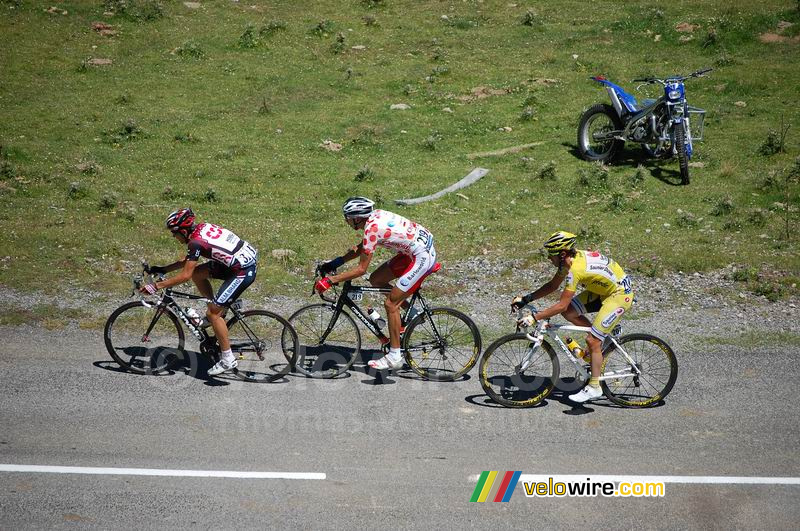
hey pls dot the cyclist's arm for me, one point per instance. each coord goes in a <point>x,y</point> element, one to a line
<point>180,278</point>
<point>174,266</point>
<point>353,252</point>
<point>558,308</point>
<point>546,289</point>
<point>357,271</point>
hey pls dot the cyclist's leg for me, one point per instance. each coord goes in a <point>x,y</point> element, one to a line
<point>231,289</point>
<point>608,316</point>
<point>390,270</point>
<point>407,283</point>
<point>581,304</point>
<point>200,277</point>
<point>381,277</point>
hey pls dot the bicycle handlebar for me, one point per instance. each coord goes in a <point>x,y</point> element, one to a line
<point>318,274</point>
<point>650,80</point>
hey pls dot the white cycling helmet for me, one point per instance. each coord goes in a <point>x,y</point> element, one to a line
<point>357,207</point>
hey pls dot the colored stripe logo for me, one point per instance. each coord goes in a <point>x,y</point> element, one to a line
<point>495,486</point>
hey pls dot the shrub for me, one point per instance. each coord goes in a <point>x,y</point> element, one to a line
<point>271,27</point>
<point>322,28</point>
<point>139,10</point>
<point>593,176</point>
<point>723,207</point>
<point>757,217</point>
<point>190,49</point>
<point>530,18</point>
<point>7,170</point>
<point>339,45</point>
<point>547,172</point>
<point>108,201</point>
<point>128,131</point>
<point>686,220</point>
<point>210,196</point>
<point>638,176</point>
<point>773,143</point>
<point>527,114</point>
<point>430,142</point>
<point>745,275</point>
<point>617,201</point>
<point>248,38</point>
<point>732,225</point>
<point>77,190</point>
<point>168,193</point>
<point>185,137</point>
<point>123,99</point>
<point>460,23</point>
<point>365,173</point>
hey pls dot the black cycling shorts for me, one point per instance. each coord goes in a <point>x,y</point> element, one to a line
<point>235,282</point>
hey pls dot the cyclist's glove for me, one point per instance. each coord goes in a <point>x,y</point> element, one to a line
<point>518,302</point>
<point>330,266</point>
<point>157,270</point>
<point>322,285</point>
<point>148,289</point>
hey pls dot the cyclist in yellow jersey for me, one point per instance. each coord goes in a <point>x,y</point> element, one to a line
<point>606,290</point>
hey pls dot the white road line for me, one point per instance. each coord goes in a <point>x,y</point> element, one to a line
<point>719,480</point>
<point>160,472</point>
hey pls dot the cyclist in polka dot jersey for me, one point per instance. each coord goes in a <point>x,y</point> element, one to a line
<point>414,261</point>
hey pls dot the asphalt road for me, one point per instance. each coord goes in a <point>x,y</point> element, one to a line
<point>397,452</point>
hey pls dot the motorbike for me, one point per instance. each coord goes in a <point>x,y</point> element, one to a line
<point>665,127</point>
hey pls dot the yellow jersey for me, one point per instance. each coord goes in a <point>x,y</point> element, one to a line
<point>596,273</point>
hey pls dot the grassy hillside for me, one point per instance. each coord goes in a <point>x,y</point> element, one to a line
<point>224,107</point>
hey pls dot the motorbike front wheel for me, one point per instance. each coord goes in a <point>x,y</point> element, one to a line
<point>595,133</point>
<point>680,148</point>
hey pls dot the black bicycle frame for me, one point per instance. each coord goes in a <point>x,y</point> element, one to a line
<point>345,300</point>
<point>168,302</point>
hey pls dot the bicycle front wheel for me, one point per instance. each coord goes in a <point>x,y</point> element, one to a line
<point>516,374</point>
<point>442,347</point>
<point>265,345</point>
<point>327,348</point>
<point>144,338</point>
<point>642,378</point>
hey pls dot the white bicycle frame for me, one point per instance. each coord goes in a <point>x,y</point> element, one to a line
<point>551,330</point>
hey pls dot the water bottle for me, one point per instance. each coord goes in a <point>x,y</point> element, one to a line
<point>576,349</point>
<point>193,315</point>
<point>376,317</point>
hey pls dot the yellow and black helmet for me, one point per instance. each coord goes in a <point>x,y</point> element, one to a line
<point>560,241</point>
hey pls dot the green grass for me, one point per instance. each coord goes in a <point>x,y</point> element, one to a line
<point>756,339</point>
<point>224,108</point>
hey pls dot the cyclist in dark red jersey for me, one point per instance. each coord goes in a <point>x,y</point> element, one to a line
<point>230,258</point>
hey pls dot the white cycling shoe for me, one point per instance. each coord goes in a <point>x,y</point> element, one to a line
<point>222,366</point>
<point>587,393</point>
<point>385,363</point>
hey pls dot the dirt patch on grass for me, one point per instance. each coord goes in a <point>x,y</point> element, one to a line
<point>479,93</point>
<point>770,38</point>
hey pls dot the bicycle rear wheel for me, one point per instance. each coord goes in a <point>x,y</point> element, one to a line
<point>144,338</point>
<point>331,355</point>
<point>657,366</point>
<point>505,382</point>
<point>444,347</point>
<point>265,345</point>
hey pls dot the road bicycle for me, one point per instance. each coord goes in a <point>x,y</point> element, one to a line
<point>146,336</point>
<point>438,343</point>
<point>522,369</point>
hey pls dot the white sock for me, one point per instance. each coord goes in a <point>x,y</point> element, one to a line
<point>394,354</point>
<point>227,355</point>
